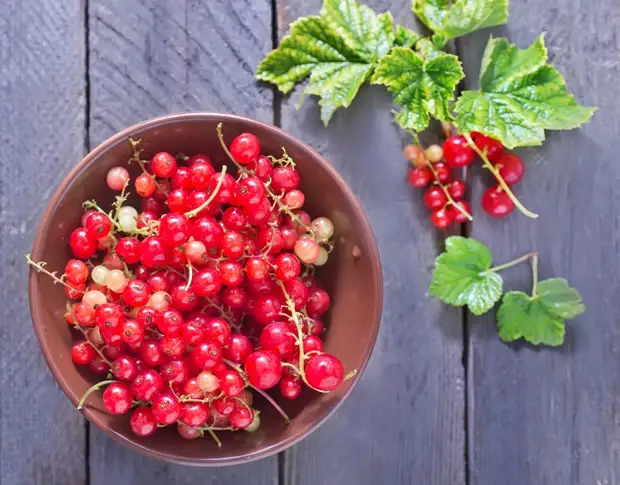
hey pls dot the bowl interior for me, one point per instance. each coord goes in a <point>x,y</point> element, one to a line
<point>354,284</point>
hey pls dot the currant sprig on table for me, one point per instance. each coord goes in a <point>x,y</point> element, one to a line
<point>520,95</point>
<point>464,276</point>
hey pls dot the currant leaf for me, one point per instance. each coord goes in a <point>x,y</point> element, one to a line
<point>405,37</point>
<point>450,19</point>
<point>337,51</point>
<point>461,276</point>
<point>539,319</point>
<point>520,97</point>
<point>423,86</point>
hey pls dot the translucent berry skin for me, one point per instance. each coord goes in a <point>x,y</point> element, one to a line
<point>442,218</point>
<point>166,408</point>
<point>174,229</point>
<point>142,422</point>
<point>153,252</point>
<point>206,282</point>
<point>238,349</point>
<point>250,191</point>
<point>284,179</point>
<point>511,168</point>
<point>194,414</point>
<point>241,417</point>
<point>82,245</point>
<point>245,148</point>
<point>117,398</point>
<point>419,177</point>
<point>434,198</point>
<point>324,372</point>
<point>136,293</point>
<point>262,168</point>
<point>163,164</point>
<point>128,249</point>
<point>146,385</point>
<point>264,369</point>
<point>278,337</point>
<point>457,152</point>
<point>290,387</point>
<point>493,148</point>
<point>207,355</point>
<point>83,353</point>
<point>457,215</point>
<point>98,225</point>
<point>496,202</point>
<point>231,383</point>
<point>208,231</point>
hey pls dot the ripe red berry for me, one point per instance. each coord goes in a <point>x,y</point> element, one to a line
<point>290,386</point>
<point>279,338</point>
<point>194,413</point>
<point>231,383</point>
<point>250,191</point>
<point>177,201</point>
<point>267,308</point>
<point>434,198</point>
<point>217,330</point>
<point>457,215</point>
<point>233,245</point>
<point>287,267</point>
<point>174,229</point>
<point>234,219</point>
<point>128,249</point>
<point>146,385</point>
<point>224,405</point>
<point>442,218</point>
<point>180,179</point>
<point>457,152</point>
<point>98,225</point>
<point>208,231</point>
<point>124,368</point>
<point>151,353</point>
<point>456,189</point>
<point>145,185</point>
<point>163,165</point>
<point>318,302</point>
<point>166,408</point>
<point>511,168</point>
<point>76,271</point>
<point>175,370</point>
<point>142,422</point>
<point>493,148</point>
<point>324,372</point>
<point>496,202</point>
<point>133,332</point>
<point>83,353</point>
<point>207,355</point>
<point>153,252</point>
<point>258,214</point>
<point>170,322</point>
<point>238,349</point>
<point>419,177</point>
<point>182,299</point>
<point>312,343</point>
<point>284,179</point>
<point>231,273</point>
<point>117,398</point>
<point>227,187</point>
<point>262,168</point>
<point>110,317</point>
<point>245,148</point>
<point>82,244</point>
<point>241,417</point>
<point>442,171</point>
<point>263,368</point>
<point>136,293</point>
<point>206,282</point>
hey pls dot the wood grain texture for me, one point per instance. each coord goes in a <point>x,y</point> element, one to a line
<point>404,422</point>
<point>157,57</point>
<point>545,416</point>
<point>42,133</point>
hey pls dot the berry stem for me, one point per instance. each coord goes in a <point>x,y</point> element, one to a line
<point>136,158</point>
<point>499,178</point>
<point>91,389</point>
<point>284,208</point>
<point>534,262</point>
<point>350,375</point>
<point>447,193</point>
<point>190,267</point>
<point>40,267</point>
<point>214,436</point>
<point>260,391</point>
<point>241,169</point>
<point>514,262</point>
<point>92,344</point>
<point>205,204</point>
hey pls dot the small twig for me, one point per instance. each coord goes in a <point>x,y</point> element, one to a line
<point>40,268</point>
<point>205,204</point>
<point>99,385</point>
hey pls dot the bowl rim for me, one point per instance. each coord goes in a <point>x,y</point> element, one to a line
<point>375,263</point>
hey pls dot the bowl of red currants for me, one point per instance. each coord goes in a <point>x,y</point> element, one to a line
<point>205,288</point>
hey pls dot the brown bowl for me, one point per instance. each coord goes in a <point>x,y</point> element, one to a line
<point>352,278</point>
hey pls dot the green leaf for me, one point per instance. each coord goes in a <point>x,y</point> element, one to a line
<point>422,86</point>
<point>405,37</point>
<point>539,319</point>
<point>452,19</point>
<point>337,51</point>
<point>368,34</point>
<point>520,96</point>
<point>461,276</point>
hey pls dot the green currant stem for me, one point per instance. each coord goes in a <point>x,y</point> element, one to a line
<point>260,391</point>
<point>242,170</point>
<point>120,200</point>
<point>500,179</point>
<point>99,385</point>
<point>534,262</point>
<point>190,267</point>
<point>514,262</point>
<point>350,375</point>
<point>214,436</point>
<point>284,208</point>
<point>40,267</point>
<point>205,204</point>
<point>92,204</point>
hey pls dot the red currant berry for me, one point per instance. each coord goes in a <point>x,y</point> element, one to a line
<point>224,405</point>
<point>227,188</point>
<point>318,302</point>
<point>194,413</point>
<point>511,168</point>
<point>175,371</point>
<point>289,238</point>
<point>250,191</point>
<point>128,249</point>
<point>84,314</point>
<point>158,282</point>
<point>147,316</point>
<point>124,368</point>
<point>177,201</point>
<point>234,219</point>
<point>199,174</point>
<point>258,214</point>
<point>245,148</point>
<point>188,432</point>
<point>443,172</point>
<point>151,353</point>
<point>82,245</point>
<point>236,298</point>
<point>294,199</point>
<point>287,267</point>
<point>457,152</point>
<point>180,179</point>
<point>231,273</point>
<point>146,385</point>
<point>256,268</point>
<point>284,179</point>
<point>142,422</point>
<point>153,252</point>
<point>238,349</point>
<point>298,292</point>
<point>145,185</point>
<point>154,205</point>
<point>456,189</point>
<point>164,165</point>
<point>136,293</point>
<point>324,372</point>
<point>99,366</point>
<point>169,322</point>
<point>76,271</point>
<point>117,178</point>
<point>133,332</point>
<point>434,198</point>
<point>182,299</point>
<point>109,316</point>
<point>241,417</point>
<point>208,231</point>
<point>206,282</point>
<point>419,177</point>
<point>217,330</point>
<point>199,157</point>
<point>496,202</point>
<point>83,353</point>
<point>117,398</point>
<point>262,168</point>
<point>197,198</point>
<point>233,245</point>
<point>231,383</point>
<point>173,346</point>
<point>290,387</point>
<point>279,338</point>
<point>442,218</point>
<point>166,408</point>
<point>267,308</point>
<point>98,225</point>
<point>493,148</point>
<point>192,332</point>
<point>207,355</point>
<point>312,343</point>
<point>457,215</point>
<point>174,229</point>
<point>263,368</point>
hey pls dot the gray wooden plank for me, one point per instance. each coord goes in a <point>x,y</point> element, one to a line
<point>159,57</point>
<point>42,135</point>
<point>552,416</point>
<point>403,424</point>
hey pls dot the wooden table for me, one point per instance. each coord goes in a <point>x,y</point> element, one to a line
<point>443,401</point>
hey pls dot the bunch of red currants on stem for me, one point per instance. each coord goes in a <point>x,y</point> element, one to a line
<point>204,295</point>
<point>444,195</point>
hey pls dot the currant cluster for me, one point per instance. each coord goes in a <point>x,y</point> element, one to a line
<point>444,195</point>
<point>204,294</point>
